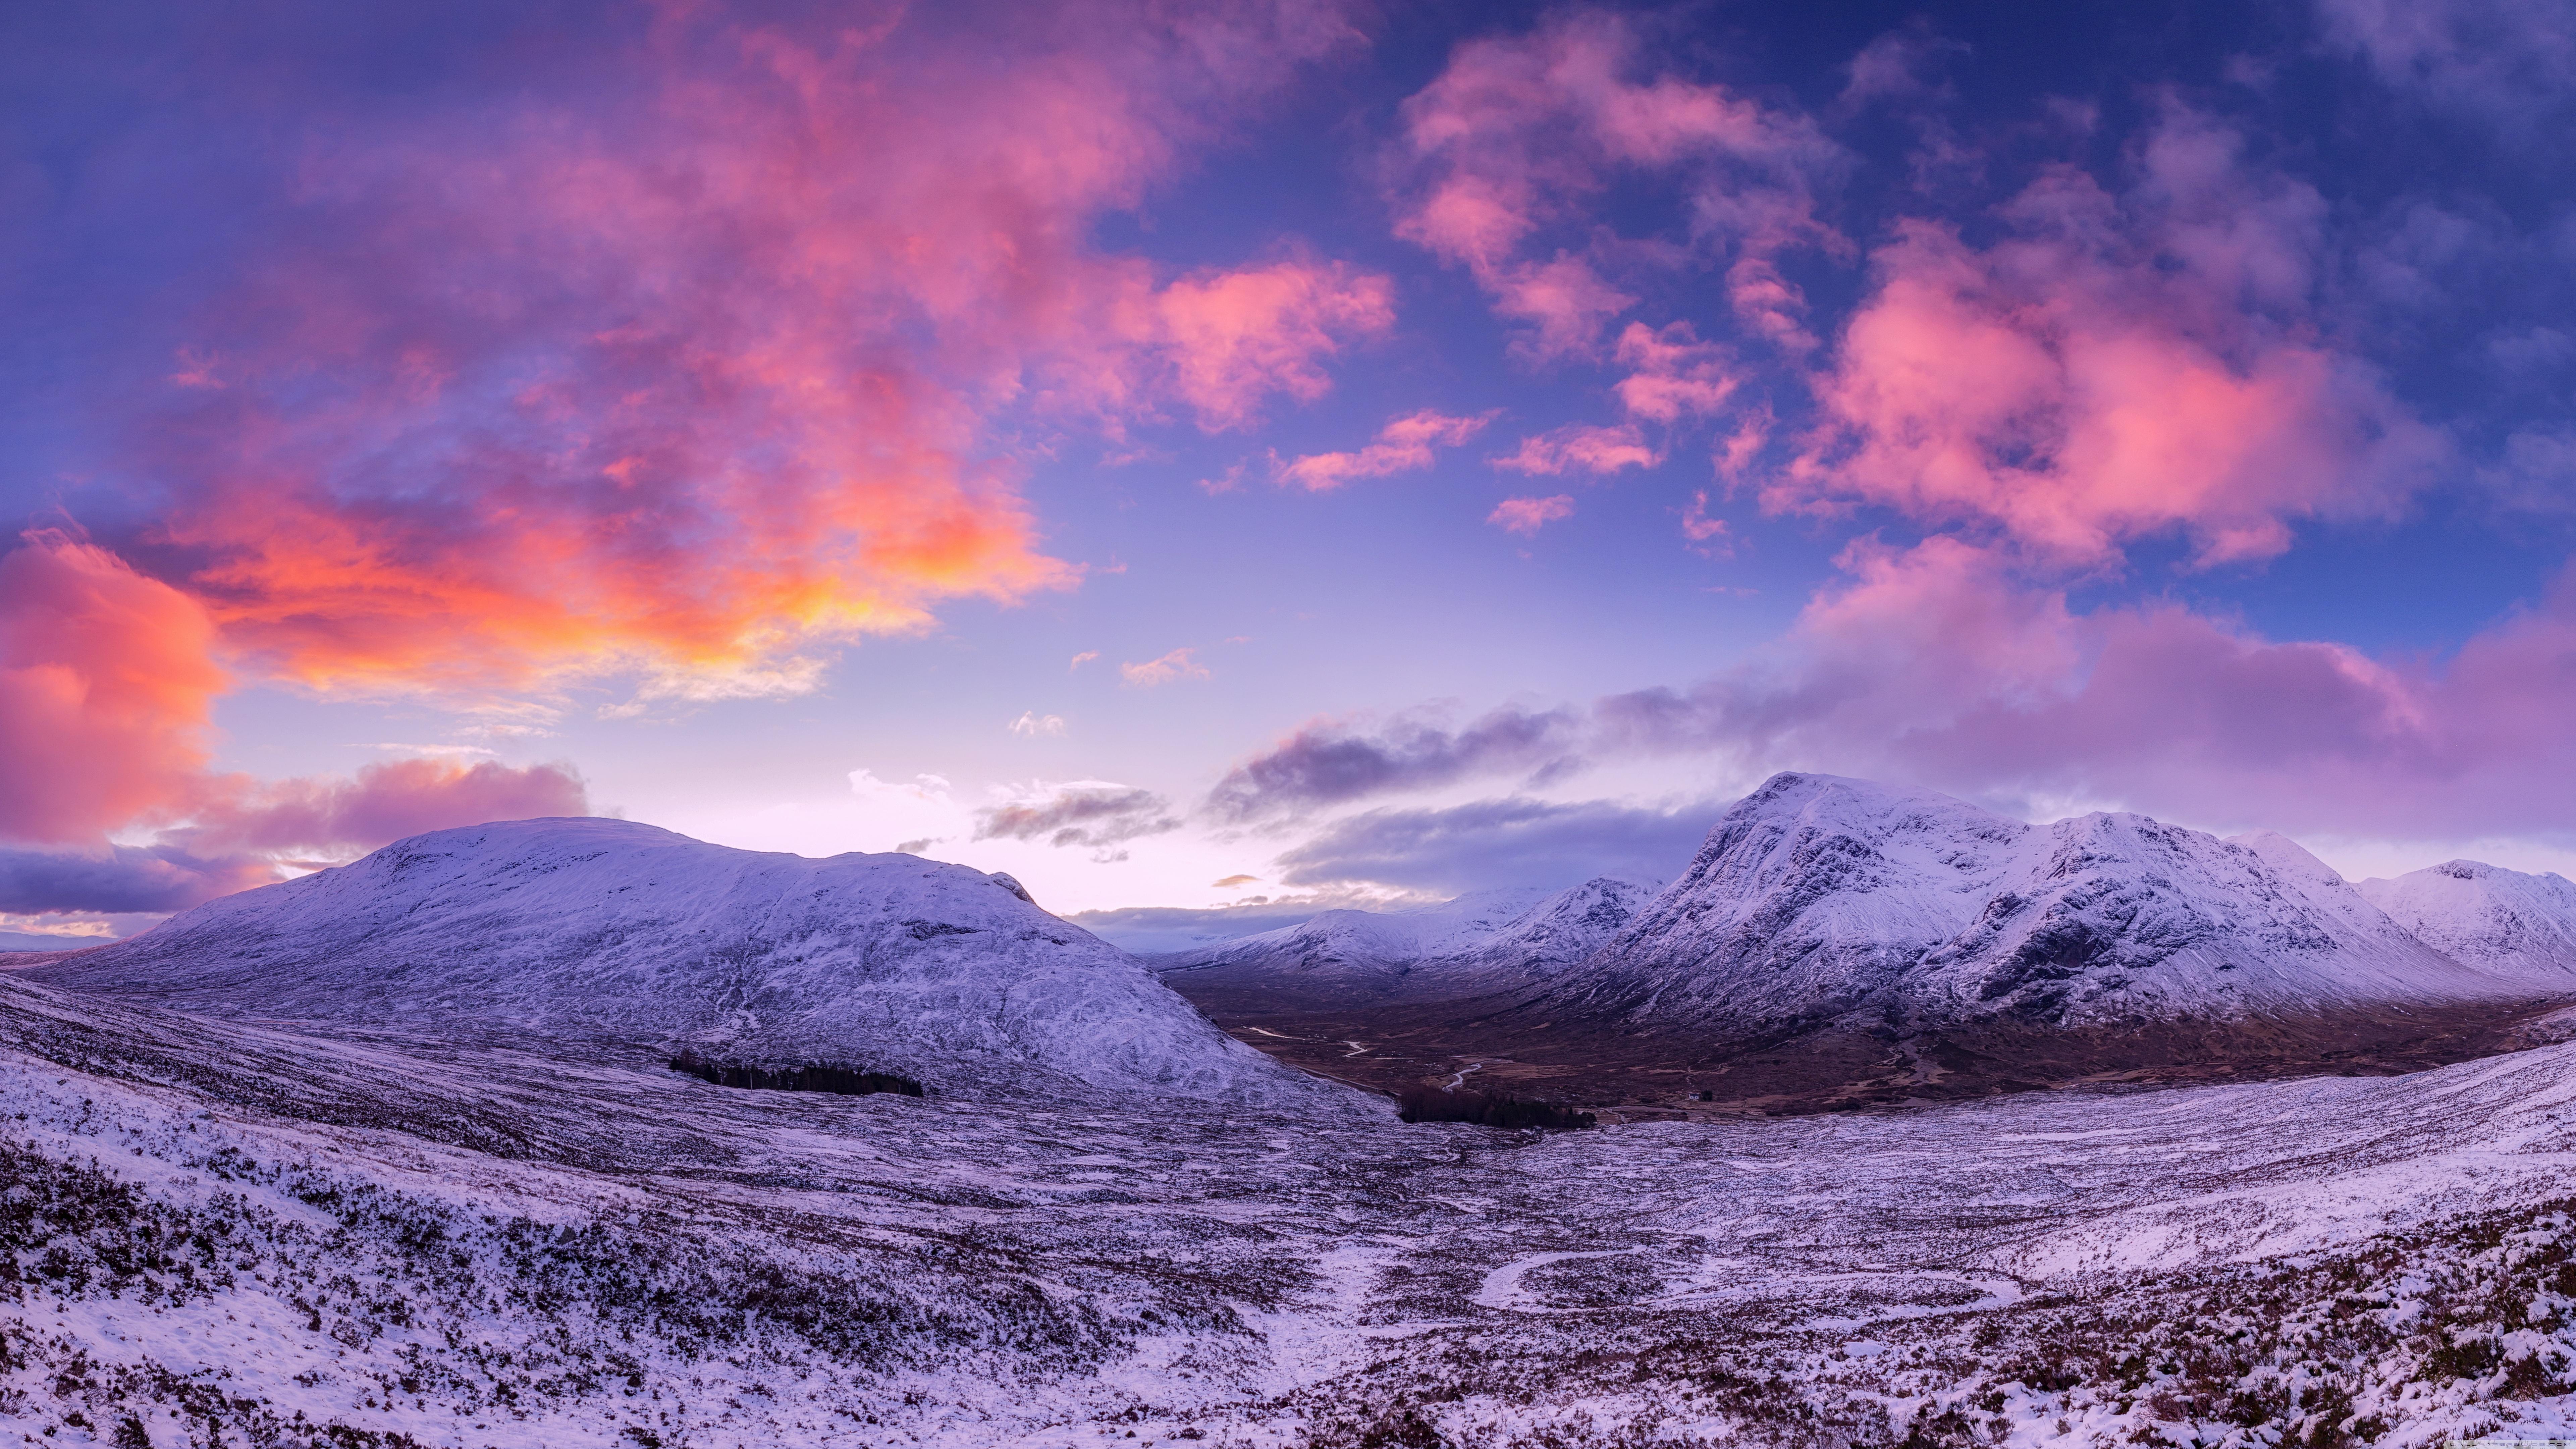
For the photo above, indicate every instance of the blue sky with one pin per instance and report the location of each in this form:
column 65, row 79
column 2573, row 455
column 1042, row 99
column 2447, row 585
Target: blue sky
column 323, row 309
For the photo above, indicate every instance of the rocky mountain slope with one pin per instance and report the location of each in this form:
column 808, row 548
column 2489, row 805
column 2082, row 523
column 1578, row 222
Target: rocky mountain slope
column 1823, row 900
column 2503, row 921
column 1476, row 944
column 629, row 934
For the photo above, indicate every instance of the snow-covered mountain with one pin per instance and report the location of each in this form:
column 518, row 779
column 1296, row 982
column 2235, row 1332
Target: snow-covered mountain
column 1482, row 942
column 2503, row 921
column 1819, row 899
column 625, row 931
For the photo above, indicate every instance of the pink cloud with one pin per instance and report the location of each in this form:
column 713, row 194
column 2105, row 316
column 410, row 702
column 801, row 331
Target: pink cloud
column 381, row 803
column 1225, row 342
column 699, row 369
column 1945, row 664
column 1402, row 446
column 1521, row 133
column 106, row 687
column 1673, row 375
column 1177, row 665
column 1526, row 516
column 1735, row 456
column 1941, row 664
column 1705, row 535
column 2115, row 369
column 1770, row 304
column 1580, row 448
column 1565, row 302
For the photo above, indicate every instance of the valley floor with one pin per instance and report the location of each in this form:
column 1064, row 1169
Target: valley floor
column 246, row 1235
column 1644, row 1075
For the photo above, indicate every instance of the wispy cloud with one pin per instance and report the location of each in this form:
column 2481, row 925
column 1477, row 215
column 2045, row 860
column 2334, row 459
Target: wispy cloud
column 1404, row 445
column 1507, row 841
column 1331, row 762
column 1177, row 665
column 1092, row 813
column 1526, row 516
column 1580, row 448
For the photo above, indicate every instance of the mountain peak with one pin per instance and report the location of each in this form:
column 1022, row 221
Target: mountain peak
column 632, row 934
column 2506, row 921
column 2287, row 856
column 1821, row 898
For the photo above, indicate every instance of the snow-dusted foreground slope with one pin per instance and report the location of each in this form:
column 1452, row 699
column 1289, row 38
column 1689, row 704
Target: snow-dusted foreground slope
column 221, row 1232
column 1819, row 899
column 611, row 929
column 1483, row 942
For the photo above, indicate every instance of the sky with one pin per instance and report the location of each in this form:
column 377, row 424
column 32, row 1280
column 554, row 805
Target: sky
column 1199, row 455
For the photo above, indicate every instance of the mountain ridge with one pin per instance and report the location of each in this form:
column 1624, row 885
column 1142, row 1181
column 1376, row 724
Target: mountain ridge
column 1479, row 943
column 1819, row 898
column 607, row 928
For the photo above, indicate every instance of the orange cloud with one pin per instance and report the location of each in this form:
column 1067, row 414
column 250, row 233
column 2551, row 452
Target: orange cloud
column 697, row 378
column 105, row 693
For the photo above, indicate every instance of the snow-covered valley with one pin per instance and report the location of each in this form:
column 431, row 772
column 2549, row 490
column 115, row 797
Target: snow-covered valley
column 218, row 1232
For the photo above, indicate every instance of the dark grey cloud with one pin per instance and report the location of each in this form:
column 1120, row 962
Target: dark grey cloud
column 122, row 879
column 1331, row 764
column 1503, row 842
column 1083, row 814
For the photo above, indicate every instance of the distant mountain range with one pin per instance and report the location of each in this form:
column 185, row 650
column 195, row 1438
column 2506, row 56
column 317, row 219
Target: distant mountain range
column 32, row 941
column 1488, row 941
column 1861, row 941
column 1819, row 899
column 1854, row 926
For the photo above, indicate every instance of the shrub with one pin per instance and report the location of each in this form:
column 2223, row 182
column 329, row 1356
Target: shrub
column 843, row 1081
column 1426, row 1104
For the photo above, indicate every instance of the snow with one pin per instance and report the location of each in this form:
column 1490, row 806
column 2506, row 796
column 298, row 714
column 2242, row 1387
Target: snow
column 216, row 1224
column 1481, row 942
column 2505, row 921
column 623, row 932
column 1819, row 898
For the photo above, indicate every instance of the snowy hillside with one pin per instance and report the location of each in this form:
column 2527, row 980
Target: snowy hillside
column 1541, row 941
column 219, row 1232
column 606, row 927
column 2504, row 921
column 1481, row 942
column 1821, row 899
